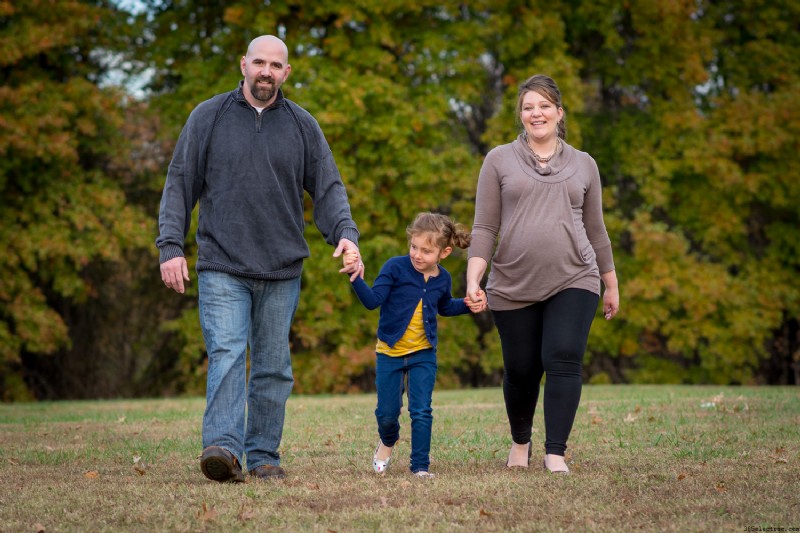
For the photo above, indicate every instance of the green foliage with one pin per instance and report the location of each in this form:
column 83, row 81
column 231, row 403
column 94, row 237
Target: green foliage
column 695, row 147
column 61, row 208
column 700, row 150
column 688, row 107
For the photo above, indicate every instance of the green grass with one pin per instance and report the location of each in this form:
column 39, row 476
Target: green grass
column 653, row 458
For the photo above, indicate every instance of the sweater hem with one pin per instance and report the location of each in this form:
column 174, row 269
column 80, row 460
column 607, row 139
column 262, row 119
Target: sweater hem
column 292, row 271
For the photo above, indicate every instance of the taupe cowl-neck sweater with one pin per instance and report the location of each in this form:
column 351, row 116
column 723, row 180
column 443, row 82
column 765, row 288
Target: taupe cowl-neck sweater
column 547, row 223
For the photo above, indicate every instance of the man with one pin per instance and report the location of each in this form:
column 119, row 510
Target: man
column 247, row 156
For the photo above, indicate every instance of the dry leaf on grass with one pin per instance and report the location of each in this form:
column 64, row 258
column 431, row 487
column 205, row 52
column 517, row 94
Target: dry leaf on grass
column 91, row 474
column 485, row 513
column 139, row 465
column 207, row 514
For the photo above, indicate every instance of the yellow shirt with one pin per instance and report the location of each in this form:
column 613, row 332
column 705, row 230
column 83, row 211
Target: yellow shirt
column 413, row 340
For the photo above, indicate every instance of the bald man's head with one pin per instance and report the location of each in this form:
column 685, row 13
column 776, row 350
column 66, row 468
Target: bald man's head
column 265, row 67
column 267, row 40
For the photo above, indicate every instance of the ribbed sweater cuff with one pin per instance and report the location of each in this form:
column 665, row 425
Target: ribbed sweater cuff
column 169, row 251
column 350, row 234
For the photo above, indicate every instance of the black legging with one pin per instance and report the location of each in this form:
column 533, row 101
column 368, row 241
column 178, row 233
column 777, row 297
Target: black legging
column 546, row 337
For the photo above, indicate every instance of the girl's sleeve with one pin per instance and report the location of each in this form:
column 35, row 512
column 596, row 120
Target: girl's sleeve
column 449, row 306
column 372, row 298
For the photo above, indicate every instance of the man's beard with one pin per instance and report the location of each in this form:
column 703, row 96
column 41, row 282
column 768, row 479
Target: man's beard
column 263, row 93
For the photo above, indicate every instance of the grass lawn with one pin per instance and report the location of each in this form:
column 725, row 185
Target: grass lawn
column 653, row 458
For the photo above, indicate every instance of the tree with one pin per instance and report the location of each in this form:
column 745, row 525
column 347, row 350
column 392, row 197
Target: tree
column 411, row 96
column 63, row 213
column 695, row 127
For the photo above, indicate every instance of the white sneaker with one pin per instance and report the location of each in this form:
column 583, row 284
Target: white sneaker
column 424, row 475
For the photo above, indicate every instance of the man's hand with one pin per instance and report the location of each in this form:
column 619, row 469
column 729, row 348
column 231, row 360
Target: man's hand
column 353, row 264
column 174, row 272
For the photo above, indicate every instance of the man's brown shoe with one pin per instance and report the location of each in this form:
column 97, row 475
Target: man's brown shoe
column 219, row 464
column 268, row 472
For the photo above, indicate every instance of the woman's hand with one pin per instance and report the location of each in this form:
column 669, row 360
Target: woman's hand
column 610, row 295
column 476, row 301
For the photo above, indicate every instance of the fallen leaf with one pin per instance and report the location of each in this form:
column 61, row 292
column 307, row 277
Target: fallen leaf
column 682, row 476
column 38, row 528
column 630, row 418
column 12, row 461
column 721, row 487
column 779, row 450
column 312, row 486
column 207, row 514
column 139, row 465
column 781, row 460
column 484, row 513
column 121, row 419
column 91, row 474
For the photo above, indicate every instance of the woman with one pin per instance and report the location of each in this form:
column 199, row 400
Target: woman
column 542, row 198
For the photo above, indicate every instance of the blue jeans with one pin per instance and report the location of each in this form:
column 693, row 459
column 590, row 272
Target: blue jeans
column 236, row 312
column 390, row 381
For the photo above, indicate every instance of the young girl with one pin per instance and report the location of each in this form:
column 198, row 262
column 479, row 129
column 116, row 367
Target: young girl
column 410, row 290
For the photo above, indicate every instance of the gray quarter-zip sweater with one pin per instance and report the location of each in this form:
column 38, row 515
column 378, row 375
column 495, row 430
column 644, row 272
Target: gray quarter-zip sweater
column 547, row 225
column 249, row 172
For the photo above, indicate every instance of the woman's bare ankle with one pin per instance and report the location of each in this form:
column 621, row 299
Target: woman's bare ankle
column 518, row 455
column 555, row 463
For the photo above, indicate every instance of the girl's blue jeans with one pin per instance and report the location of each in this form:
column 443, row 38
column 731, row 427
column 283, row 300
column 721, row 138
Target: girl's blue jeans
column 419, row 369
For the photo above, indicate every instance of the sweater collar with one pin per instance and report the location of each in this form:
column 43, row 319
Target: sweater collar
column 554, row 167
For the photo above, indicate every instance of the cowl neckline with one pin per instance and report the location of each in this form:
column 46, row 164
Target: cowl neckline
column 556, row 169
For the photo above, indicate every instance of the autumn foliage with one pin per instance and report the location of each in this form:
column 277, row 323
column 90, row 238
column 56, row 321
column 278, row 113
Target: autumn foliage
column 689, row 108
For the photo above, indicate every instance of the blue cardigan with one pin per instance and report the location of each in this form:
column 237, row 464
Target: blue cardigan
column 397, row 291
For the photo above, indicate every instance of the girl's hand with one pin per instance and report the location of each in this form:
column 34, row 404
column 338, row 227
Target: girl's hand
column 353, row 264
column 350, row 257
column 476, row 301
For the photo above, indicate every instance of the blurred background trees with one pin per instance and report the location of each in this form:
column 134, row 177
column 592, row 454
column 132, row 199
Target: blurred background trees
column 689, row 108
